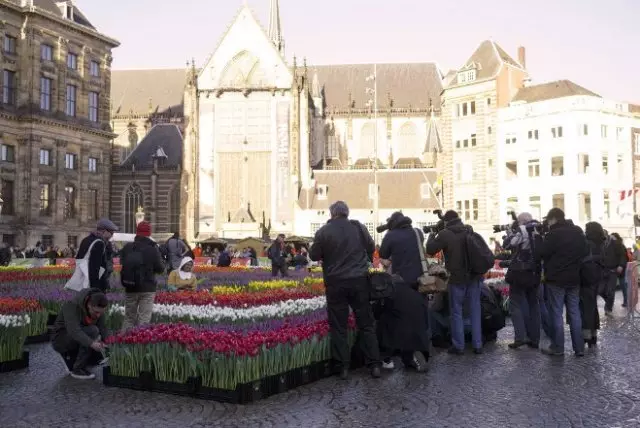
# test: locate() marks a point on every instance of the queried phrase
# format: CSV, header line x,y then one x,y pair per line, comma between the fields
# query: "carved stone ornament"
x,y
61,143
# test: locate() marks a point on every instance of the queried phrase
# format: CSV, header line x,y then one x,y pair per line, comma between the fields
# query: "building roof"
x,y
408,85
163,139
399,189
416,85
433,142
487,60
50,6
551,90
147,91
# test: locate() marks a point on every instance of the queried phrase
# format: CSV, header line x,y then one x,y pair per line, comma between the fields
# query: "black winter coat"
x,y
345,248
401,246
153,263
563,250
452,241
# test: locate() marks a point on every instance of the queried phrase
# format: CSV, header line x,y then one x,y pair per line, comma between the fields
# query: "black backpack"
x,y
479,256
131,274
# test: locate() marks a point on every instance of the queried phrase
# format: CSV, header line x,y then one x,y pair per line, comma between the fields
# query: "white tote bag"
x,y
80,278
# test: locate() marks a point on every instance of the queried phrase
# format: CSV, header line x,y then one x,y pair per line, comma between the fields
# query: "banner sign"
x,y
283,202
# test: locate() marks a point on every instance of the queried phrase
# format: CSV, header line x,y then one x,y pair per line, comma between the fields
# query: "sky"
x,y
594,43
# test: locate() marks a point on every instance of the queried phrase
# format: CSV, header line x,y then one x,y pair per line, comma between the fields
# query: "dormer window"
x,y
66,8
321,191
467,76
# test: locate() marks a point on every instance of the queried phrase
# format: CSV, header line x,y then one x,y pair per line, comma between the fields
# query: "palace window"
x,y
535,207
511,140
533,134
94,69
92,204
72,61
45,199
45,93
583,163
70,109
8,204
9,87
93,165
7,153
133,199
70,198
607,205
558,201
45,157
468,210
619,134
47,241
605,164
603,131
534,167
583,130
9,45
557,166
93,106
70,161
72,241
636,143
46,52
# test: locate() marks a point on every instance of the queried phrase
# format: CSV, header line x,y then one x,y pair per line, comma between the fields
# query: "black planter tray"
x,y
243,394
41,338
51,319
9,366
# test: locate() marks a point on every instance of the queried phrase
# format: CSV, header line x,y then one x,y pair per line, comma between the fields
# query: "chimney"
x,y
522,57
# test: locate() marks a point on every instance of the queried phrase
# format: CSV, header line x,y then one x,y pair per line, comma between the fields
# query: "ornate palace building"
x,y
267,144
55,137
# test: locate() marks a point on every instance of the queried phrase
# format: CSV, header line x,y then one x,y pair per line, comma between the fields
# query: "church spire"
x,y
275,30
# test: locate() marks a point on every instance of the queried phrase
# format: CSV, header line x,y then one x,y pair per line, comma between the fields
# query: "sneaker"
x,y
552,352
419,362
478,351
455,351
375,372
82,374
579,353
517,344
388,364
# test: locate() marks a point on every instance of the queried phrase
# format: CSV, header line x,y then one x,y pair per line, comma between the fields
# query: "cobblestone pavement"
x,y
501,388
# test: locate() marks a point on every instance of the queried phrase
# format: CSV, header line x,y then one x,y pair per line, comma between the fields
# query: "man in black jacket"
x,y
400,249
99,258
464,288
278,256
615,263
79,330
346,249
563,251
141,261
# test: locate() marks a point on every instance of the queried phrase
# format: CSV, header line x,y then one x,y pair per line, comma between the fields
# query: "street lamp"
x,y
139,215
373,101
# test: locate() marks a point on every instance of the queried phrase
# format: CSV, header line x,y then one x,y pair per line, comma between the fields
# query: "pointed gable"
x,y
484,64
245,57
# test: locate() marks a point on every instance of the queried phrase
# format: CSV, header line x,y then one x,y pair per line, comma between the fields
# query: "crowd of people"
x,y
550,265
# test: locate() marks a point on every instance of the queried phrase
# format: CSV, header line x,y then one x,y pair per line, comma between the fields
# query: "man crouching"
x,y
79,330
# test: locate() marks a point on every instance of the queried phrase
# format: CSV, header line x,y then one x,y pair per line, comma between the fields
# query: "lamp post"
x,y
373,92
139,215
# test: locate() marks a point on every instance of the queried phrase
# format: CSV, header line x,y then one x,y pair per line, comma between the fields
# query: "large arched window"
x,y
244,70
133,198
174,209
407,145
367,140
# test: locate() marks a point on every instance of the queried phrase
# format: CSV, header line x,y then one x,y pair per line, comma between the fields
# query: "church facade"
x,y
269,144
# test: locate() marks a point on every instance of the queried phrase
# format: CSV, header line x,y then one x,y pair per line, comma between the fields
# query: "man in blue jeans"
x,y
562,252
464,288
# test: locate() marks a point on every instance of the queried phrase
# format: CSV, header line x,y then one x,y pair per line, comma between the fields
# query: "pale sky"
x,y
595,43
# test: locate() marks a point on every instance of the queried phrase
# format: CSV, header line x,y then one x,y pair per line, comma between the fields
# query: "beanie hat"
x,y
144,229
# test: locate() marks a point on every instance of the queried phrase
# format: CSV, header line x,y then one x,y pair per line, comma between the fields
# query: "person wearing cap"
x,y
98,257
141,262
563,252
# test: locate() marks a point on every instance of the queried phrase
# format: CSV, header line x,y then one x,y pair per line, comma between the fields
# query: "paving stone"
x,y
500,388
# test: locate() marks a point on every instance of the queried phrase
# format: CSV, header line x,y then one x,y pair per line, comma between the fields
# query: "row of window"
x,y
10,91
468,210
46,240
8,154
558,132
10,46
467,108
47,198
584,214
557,166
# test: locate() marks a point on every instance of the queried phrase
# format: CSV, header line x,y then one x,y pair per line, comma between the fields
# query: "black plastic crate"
x,y
189,388
144,382
9,366
41,338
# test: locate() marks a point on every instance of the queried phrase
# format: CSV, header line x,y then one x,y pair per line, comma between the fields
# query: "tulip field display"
x,y
15,321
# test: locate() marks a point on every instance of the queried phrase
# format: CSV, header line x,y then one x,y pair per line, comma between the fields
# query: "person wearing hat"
x,y
141,261
96,245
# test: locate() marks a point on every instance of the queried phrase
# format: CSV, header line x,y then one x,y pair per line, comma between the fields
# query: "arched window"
x,y
243,71
407,142
70,202
367,140
174,209
133,198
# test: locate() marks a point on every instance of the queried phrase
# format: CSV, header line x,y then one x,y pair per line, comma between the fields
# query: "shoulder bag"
x,y
428,283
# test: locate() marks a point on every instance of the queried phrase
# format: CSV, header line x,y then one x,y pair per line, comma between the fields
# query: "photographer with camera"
x,y
523,276
462,252
563,250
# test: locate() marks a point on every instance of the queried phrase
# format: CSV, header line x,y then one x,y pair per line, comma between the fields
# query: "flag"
x,y
627,194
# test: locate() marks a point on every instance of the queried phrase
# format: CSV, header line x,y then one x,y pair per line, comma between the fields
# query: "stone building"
x,y
55,137
472,96
264,136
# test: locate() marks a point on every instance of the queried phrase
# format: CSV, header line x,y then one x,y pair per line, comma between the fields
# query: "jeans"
x,y
459,294
623,287
67,347
545,312
138,308
354,293
558,297
275,269
525,313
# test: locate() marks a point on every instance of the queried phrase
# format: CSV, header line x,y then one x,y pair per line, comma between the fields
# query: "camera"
x,y
497,228
383,227
435,227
